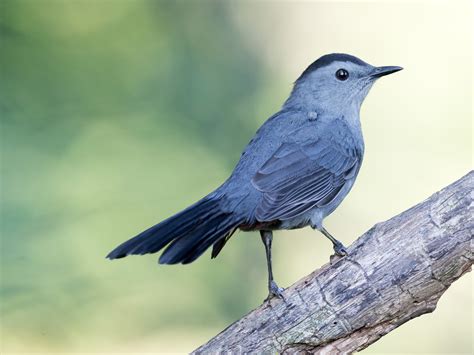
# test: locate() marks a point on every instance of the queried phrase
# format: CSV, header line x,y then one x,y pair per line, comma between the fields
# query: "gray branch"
x,y
395,272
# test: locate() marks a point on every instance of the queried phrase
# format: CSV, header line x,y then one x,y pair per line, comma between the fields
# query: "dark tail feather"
x,y
188,248
190,233
217,246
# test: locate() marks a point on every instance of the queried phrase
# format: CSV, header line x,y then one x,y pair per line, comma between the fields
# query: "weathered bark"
x,y
395,272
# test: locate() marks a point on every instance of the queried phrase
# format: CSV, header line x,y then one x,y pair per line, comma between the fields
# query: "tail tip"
x,y
116,254
165,259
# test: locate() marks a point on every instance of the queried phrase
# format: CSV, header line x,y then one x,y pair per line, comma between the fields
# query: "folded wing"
x,y
299,177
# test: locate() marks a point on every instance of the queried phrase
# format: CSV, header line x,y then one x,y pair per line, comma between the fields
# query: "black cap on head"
x,y
328,59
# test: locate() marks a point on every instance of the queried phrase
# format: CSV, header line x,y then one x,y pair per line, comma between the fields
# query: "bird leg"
x,y
273,289
338,247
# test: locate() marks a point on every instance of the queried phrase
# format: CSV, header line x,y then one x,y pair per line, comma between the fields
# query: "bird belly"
x,y
296,222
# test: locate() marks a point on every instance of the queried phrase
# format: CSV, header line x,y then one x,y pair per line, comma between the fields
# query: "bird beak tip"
x,y
382,71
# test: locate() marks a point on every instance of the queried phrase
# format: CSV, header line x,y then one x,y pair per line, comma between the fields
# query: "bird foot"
x,y
274,292
339,249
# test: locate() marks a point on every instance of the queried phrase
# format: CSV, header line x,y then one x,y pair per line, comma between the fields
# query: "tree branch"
x,y
395,272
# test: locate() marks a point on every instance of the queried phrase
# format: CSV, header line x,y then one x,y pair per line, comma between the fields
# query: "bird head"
x,y
336,82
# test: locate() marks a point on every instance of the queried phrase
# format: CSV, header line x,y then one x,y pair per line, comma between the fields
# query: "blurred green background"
x,y
117,114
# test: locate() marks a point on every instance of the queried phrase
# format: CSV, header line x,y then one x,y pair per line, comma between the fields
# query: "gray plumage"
x,y
295,171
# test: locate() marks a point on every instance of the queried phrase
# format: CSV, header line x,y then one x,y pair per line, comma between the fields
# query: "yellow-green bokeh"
x,y
117,114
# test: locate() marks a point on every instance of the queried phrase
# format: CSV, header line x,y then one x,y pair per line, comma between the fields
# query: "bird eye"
x,y
342,74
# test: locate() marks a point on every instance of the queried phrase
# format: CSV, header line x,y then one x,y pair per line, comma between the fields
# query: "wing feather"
x,y
299,177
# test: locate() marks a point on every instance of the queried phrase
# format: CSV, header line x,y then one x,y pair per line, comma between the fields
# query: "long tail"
x,y
188,234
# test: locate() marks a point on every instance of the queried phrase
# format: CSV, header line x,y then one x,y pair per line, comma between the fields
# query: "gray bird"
x,y
296,170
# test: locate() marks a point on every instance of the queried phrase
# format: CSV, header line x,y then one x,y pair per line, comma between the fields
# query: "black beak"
x,y
382,71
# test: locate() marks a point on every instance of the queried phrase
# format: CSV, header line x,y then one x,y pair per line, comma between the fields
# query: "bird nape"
x,y
296,170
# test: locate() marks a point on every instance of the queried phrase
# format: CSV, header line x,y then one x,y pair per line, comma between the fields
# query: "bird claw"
x,y
274,292
340,249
